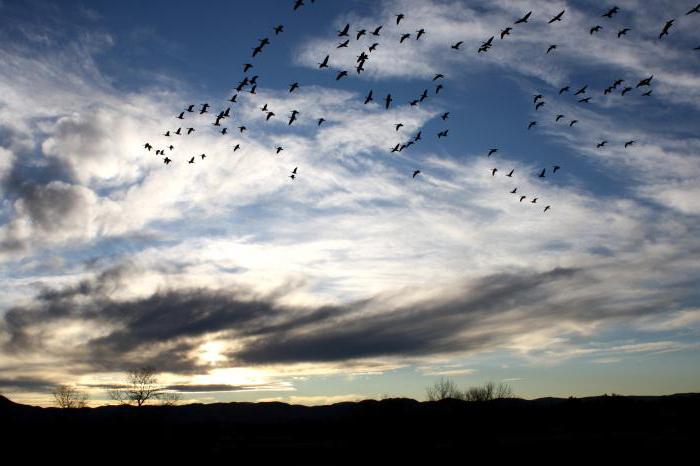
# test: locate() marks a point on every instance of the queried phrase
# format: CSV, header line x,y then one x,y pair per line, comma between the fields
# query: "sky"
x,y
355,279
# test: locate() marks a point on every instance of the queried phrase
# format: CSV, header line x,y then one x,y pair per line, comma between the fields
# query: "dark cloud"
x,y
164,330
26,384
210,388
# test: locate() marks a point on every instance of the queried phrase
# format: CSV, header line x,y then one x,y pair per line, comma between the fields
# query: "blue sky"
x,y
354,280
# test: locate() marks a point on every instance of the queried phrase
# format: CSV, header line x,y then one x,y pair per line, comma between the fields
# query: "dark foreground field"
x,y
366,432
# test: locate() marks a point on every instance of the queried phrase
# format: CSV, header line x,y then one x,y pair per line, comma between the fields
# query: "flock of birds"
x,y
249,84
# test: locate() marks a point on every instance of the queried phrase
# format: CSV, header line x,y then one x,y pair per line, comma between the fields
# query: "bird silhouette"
x,y
626,90
694,10
166,160
541,175
269,115
360,33
404,37
399,17
595,29
536,98
564,89
601,144
493,171
398,126
555,168
491,152
557,17
532,123
343,44
582,90
522,197
442,134
506,32
298,4
515,190
293,87
629,143
612,11
445,116
236,147
524,18
540,104
559,117
645,82
648,93
534,201
279,149
293,117
456,45
546,208
573,122
387,101
340,75
190,108
320,121
587,100
368,99
242,128
551,47
376,31
191,160
181,116
279,29
510,174
420,33
147,146
190,130
415,173
373,47
622,32
324,63
344,32
667,26
203,156
246,67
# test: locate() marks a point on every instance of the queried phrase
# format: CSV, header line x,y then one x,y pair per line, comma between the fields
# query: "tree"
x,y
66,396
442,389
141,387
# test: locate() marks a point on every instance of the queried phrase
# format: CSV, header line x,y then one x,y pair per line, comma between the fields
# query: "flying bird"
x,y
298,4
438,76
191,160
587,100
442,134
491,152
293,117
293,87
601,144
343,44
341,74
415,173
190,108
559,117
344,32
373,47
166,160
279,149
522,197
506,32
360,33
556,168
626,90
320,121
246,67
524,18
445,116
236,147
279,29
534,201
387,101
645,82
532,123
622,32
493,171
399,17
456,46
541,175
181,116
595,29
629,143
557,17
573,122
269,115
563,89
398,126
551,47
404,37
419,33
376,31
546,208
190,130
515,190
582,90
510,174
611,12
540,104
694,10
368,99
324,63
667,26
648,93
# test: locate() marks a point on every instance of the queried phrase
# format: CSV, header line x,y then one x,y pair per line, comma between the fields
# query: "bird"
x,y
293,117
438,76
557,17
292,176
396,148
601,144
510,174
491,152
298,4
368,99
559,117
573,122
555,168
563,89
611,12
404,37
399,17
622,32
279,149
373,47
418,136
536,98
645,82
224,130
181,116
546,208
420,33
424,95
269,115
541,175
246,67
257,50
387,101
191,160
236,147
532,123
626,90
551,47
398,126
537,107
515,190
456,45
344,32
595,29
167,133
166,160
445,116
587,100
293,87
294,172
147,146
190,108
524,18
522,197
667,26
341,74
279,29
252,89
360,33
204,108
506,32
608,90
415,173
190,130
534,201
203,156
320,121
629,143
493,171
648,93
618,82
582,90
242,128
442,134
324,63
376,31
343,44
263,108
694,10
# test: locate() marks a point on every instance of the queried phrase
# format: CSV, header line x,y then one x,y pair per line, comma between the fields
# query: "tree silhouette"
x,y
66,396
141,387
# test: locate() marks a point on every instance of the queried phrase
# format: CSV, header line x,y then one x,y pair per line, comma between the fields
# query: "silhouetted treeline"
x,y
354,432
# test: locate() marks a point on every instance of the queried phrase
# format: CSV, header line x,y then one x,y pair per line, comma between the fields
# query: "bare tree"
x,y
141,387
442,389
66,396
488,391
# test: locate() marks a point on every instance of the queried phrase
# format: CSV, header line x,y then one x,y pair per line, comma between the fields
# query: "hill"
x,y
348,432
